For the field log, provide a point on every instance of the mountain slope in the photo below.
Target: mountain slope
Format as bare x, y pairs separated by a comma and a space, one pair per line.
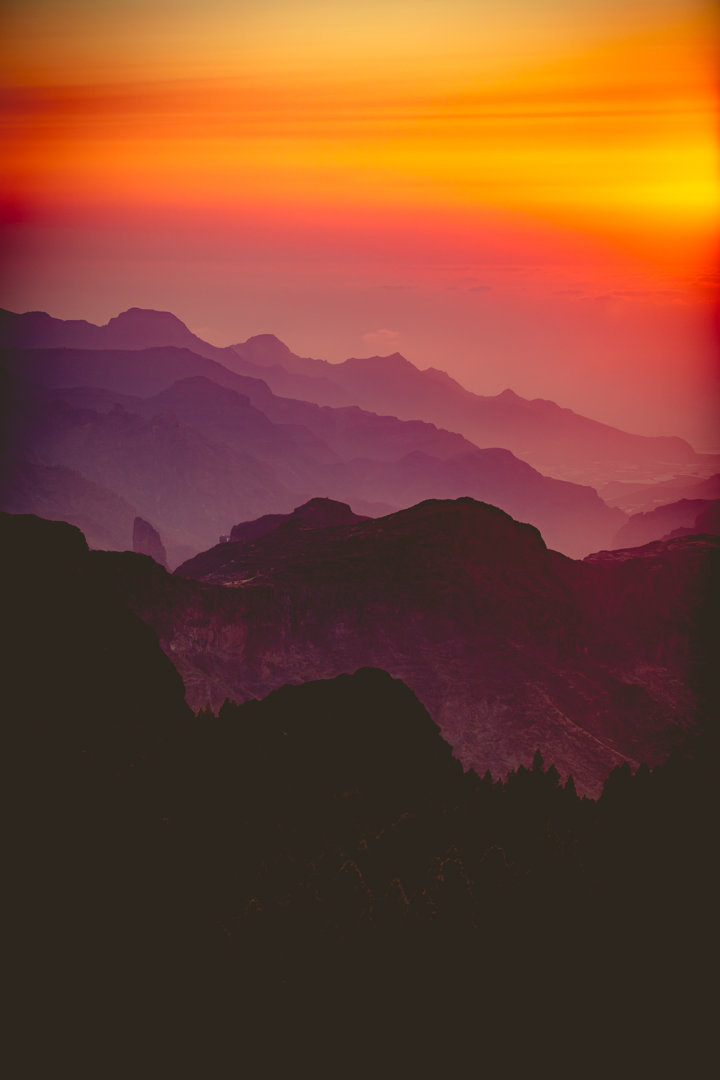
509, 646
61, 494
136, 328
384, 462
639, 498
554, 439
643, 528
572, 518
74, 651
349, 432
190, 487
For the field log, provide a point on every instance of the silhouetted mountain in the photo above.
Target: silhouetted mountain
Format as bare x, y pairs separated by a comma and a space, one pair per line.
510, 646
147, 541
316, 862
75, 650
655, 524
572, 518
316, 514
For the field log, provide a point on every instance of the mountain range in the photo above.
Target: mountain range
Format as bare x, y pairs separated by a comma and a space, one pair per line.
353, 539
554, 440
511, 647
193, 447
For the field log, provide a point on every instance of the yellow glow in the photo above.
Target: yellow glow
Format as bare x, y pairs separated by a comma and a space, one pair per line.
589, 113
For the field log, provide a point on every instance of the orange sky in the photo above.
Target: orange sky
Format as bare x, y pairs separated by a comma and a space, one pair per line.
288, 166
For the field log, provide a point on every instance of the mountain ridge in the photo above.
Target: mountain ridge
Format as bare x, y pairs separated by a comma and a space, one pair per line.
509, 645
375, 462
580, 449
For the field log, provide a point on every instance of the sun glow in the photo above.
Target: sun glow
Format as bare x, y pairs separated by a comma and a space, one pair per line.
530, 133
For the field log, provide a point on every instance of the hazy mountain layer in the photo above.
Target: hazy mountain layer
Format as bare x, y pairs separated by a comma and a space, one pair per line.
137, 328
201, 456
188, 486
639, 498
350, 432
555, 440
147, 541
660, 522
62, 494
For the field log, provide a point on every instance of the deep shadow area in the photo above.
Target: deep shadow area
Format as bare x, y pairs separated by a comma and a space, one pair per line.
311, 883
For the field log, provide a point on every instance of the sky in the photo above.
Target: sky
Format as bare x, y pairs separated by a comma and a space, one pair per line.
523, 194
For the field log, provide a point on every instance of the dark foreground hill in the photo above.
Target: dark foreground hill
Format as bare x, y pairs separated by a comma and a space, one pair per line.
510, 646
69, 641
312, 877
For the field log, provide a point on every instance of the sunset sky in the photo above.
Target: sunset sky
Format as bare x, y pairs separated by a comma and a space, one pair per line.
524, 194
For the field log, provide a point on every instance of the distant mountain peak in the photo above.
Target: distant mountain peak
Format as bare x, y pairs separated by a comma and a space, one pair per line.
264, 349
325, 510
318, 513
394, 360
439, 375
137, 315
267, 340
147, 541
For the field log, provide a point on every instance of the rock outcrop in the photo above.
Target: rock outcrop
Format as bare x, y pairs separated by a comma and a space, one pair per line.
147, 541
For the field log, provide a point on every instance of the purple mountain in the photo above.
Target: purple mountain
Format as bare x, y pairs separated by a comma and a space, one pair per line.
639, 498
375, 463
509, 645
190, 486
555, 440
147, 541
655, 524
